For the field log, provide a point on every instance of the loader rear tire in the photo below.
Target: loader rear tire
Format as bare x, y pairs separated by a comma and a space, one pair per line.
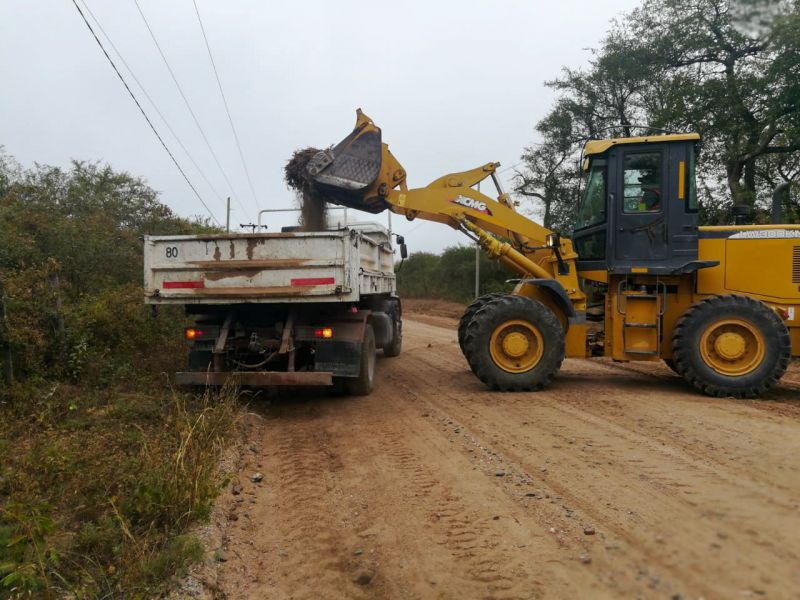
731, 346
514, 343
476, 305
363, 384
671, 364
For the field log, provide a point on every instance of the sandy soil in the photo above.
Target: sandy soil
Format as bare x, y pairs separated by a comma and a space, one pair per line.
618, 481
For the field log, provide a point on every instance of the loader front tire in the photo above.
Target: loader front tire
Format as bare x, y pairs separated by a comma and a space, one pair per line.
514, 343
731, 346
363, 384
476, 305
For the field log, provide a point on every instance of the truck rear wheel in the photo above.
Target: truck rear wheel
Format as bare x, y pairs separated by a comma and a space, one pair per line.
514, 343
363, 384
731, 346
476, 305
396, 345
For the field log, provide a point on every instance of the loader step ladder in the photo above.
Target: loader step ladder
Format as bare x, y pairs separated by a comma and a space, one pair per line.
642, 312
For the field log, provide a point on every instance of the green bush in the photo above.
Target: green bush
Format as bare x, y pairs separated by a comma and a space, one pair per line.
450, 275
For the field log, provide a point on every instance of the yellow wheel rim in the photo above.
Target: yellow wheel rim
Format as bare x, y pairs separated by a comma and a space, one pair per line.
516, 346
732, 347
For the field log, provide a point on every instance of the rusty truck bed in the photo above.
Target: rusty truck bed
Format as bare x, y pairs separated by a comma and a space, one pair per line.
329, 266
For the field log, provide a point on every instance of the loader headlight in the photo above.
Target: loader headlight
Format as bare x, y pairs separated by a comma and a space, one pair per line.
553, 240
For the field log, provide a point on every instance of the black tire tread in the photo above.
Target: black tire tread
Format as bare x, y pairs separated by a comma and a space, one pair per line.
396, 345
670, 362
363, 384
698, 314
476, 344
470, 311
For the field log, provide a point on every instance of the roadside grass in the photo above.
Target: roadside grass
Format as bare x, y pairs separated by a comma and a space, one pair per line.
99, 486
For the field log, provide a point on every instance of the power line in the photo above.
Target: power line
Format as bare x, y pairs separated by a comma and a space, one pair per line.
144, 114
188, 105
152, 102
225, 102
516, 164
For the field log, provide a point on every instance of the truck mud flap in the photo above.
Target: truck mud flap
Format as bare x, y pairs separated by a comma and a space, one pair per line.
254, 378
343, 359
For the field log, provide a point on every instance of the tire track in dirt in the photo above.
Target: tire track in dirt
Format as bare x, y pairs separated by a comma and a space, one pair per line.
564, 513
666, 488
603, 406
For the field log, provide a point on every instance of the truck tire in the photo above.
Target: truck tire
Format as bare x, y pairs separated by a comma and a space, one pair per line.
396, 345
363, 384
476, 305
731, 346
514, 343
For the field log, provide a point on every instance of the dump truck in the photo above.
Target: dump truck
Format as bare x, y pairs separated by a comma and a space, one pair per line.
290, 308
719, 305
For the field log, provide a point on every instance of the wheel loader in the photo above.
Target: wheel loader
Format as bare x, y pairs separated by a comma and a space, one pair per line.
638, 280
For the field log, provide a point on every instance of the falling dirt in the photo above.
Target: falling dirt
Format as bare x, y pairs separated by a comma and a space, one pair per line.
618, 481
313, 207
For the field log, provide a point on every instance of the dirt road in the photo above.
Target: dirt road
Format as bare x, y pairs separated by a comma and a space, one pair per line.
615, 482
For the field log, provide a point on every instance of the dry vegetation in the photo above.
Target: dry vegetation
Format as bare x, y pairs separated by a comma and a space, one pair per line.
105, 468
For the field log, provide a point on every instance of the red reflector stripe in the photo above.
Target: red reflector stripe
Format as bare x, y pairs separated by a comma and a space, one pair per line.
314, 281
177, 285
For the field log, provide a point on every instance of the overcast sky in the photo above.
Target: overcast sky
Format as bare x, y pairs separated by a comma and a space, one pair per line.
453, 84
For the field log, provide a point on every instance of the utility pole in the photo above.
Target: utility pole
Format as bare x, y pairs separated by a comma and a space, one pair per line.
477, 269
228, 216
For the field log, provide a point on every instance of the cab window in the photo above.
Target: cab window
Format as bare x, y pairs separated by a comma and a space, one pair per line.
642, 182
593, 206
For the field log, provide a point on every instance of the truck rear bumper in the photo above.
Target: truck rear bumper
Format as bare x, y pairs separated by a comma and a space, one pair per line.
254, 378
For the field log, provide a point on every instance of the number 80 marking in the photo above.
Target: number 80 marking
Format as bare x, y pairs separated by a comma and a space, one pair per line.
172, 252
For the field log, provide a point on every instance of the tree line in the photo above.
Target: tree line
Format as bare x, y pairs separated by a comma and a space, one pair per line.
450, 275
726, 69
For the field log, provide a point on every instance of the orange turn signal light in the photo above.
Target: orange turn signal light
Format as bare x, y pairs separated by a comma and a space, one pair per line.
192, 333
325, 333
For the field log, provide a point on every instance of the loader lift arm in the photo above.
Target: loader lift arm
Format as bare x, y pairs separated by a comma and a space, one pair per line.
361, 172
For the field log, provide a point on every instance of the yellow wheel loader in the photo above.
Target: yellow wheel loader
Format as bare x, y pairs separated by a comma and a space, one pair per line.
638, 281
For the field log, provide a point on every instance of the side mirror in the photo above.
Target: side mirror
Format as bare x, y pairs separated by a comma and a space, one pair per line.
403, 249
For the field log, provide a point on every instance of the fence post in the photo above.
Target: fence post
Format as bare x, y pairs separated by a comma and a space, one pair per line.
5, 346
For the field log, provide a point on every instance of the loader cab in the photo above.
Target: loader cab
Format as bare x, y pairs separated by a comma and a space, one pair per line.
638, 213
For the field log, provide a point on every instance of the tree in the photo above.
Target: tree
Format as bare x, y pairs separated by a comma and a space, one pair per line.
733, 84
551, 172
728, 70
71, 264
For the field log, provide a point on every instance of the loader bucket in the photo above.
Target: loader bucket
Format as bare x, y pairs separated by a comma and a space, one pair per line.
344, 173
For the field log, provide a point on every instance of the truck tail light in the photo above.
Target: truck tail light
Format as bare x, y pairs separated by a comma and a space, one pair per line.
192, 334
324, 333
